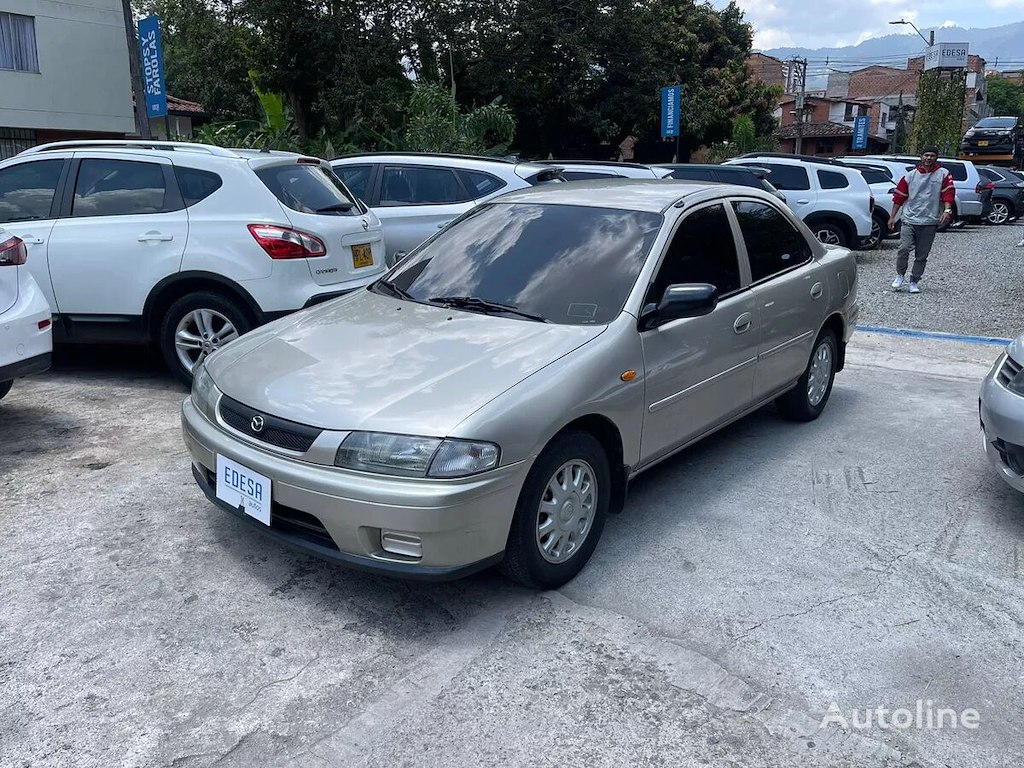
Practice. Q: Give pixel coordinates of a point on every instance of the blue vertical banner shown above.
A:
(671, 100)
(152, 66)
(861, 124)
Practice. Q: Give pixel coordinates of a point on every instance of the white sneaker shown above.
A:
(914, 288)
(897, 283)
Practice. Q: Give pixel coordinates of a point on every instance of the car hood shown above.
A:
(370, 362)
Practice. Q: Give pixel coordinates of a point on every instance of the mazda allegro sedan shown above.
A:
(487, 401)
(1001, 409)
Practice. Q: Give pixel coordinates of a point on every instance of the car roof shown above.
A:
(761, 173)
(651, 195)
(460, 161)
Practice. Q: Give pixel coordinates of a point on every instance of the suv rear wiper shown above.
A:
(343, 207)
(473, 302)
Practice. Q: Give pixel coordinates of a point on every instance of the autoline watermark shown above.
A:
(924, 715)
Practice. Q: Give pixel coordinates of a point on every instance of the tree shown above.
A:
(1005, 98)
(940, 111)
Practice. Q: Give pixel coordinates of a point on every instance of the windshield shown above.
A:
(567, 264)
(996, 122)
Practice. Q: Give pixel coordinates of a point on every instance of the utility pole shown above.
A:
(134, 65)
(801, 65)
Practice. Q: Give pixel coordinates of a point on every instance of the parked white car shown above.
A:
(25, 325)
(833, 200)
(185, 245)
(414, 194)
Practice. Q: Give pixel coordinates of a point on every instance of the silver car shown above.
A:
(488, 401)
(1001, 408)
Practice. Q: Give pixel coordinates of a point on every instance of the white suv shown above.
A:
(833, 200)
(25, 324)
(185, 245)
(417, 193)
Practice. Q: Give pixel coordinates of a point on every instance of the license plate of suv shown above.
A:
(982, 143)
(362, 256)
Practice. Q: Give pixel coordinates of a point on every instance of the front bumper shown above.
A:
(1002, 422)
(462, 525)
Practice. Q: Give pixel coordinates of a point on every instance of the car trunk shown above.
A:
(307, 190)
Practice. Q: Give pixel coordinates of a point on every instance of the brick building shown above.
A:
(827, 128)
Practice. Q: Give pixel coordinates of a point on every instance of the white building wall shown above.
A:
(83, 83)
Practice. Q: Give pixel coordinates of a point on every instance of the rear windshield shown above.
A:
(308, 189)
(570, 264)
(957, 170)
(996, 122)
(875, 175)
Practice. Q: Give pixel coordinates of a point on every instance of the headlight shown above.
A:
(204, 391)
(408, 456)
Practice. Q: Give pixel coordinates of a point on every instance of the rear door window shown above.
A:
(308, 189)
(420, 185)
(773, 244)
(832, 180)
(356, 178)
(120, 188)
(990, 175)
(27, 190)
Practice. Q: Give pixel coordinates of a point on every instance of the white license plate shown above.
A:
(240, 487)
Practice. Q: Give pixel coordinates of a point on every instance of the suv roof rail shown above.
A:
(789, 156)
(609, 163)
(450, 155)
(187, 146)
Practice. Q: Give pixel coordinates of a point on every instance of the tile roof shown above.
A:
(815, 130)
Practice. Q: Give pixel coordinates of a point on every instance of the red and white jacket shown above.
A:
(924, 193)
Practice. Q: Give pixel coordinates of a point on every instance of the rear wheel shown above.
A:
(5, 387)
(560, 513)
(879, 229)
(830, 233)
(197, 325)
(808, 398)
(1000, 212)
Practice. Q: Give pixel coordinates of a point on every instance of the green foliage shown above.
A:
(940, 109)
(1005, 98)
(743, 134)
(435, 123)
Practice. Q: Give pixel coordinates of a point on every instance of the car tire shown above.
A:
(808, 398)
(540, 553)
(188, 319)
(830, 233)
(879, 229)
(5, 387)
(1001, 212)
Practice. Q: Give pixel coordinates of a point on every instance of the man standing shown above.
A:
(926, 196)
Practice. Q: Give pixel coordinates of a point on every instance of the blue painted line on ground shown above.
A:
(990, 340)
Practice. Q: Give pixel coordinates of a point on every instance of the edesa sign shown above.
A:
(946, 56)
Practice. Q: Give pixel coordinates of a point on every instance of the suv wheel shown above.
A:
(879, 229)
(830, 233)
(560, 513)
(1000, 212)
(197, 325)
(5, 387)
(808, 398)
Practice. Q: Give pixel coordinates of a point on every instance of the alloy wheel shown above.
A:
(828, 236)
(200, 333)
(1000, 213)
(566, 512)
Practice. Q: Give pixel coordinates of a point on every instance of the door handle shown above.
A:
(803, 202)
(150, 237)
(743, 323)
(817, 291)
(30, 240)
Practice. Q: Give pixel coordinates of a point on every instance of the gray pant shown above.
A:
(918, 237)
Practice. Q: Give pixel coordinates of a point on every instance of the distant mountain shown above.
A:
(1002, 47)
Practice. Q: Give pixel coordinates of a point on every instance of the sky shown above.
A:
(838, 23)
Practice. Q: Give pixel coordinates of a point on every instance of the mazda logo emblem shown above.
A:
(257, 424)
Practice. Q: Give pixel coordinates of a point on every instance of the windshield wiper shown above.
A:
(393, 289)
(483, 305)
(343, 207)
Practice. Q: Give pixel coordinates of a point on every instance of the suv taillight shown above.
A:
(871, 205)
(287, 243)
(982, 186)
(13, 252)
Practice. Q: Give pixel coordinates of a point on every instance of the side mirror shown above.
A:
(679, 301)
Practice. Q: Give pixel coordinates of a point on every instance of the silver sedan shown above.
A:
(487, 402)
(1001, 407)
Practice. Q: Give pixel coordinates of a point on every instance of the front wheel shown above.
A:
(560, 513)
(5, 387)
(807, 399)
(197, 325)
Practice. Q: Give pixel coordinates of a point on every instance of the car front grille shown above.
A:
(274, 431)
(1008, 371)
(1012, 455)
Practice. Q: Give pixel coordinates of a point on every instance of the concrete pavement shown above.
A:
(868, 559)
